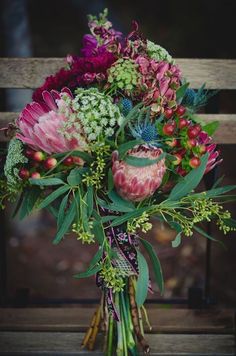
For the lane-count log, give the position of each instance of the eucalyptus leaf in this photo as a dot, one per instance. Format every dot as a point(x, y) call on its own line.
point(211, 128)
point(143, 162)
point(75, 176)
point(122, 149)
point(61, 212)
point(96, 258)
point(125, 217)
point(110, 180)
point(30, 197)
point(89, 200)
point(53, 196)
point(190, 181)
point(181, 91)
point(142, 281)
point(156, 265)
point(209, 237)
point(46, 181)
point(68, 220)
point(90, 272)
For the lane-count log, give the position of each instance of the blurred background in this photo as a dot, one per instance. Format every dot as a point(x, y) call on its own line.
point(37, 271)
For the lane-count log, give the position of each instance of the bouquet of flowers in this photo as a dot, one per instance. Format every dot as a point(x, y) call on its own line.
point(109, 142)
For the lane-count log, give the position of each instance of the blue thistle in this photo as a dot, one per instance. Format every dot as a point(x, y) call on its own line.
point(145, 131)
point(188, 99)
point(195, 99)
point(126, 105)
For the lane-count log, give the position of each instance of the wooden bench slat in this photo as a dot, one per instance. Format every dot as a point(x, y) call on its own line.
point(57, 343)
point(30, 72)
point(78, 319)
point(226, 133)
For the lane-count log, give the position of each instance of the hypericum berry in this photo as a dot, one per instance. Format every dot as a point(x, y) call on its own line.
point(172, 142)
point(50, 163)
point(29, 152)
point(194, 162)
point(180, 110)
point(35, 175)
point(168, 113)
point(38, 156)
point(191, 143)
point(182, 172)
point(24, 173)
point(182, 123)
point(169, 128)
point(194, 131)
point(178, 159)
point(68, 161)
point(78, 160)
point(202, 149)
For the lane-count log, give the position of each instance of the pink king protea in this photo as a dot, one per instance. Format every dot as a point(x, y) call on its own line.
point(138, 183)
point(40, 123)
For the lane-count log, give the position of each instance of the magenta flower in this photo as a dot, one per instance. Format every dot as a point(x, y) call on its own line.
point(138, 183)
point(205, 139)
point(83, 71)
point(39, 125)
point(160, 80)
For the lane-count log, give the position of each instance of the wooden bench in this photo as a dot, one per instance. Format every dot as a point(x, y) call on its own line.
point(58, 331)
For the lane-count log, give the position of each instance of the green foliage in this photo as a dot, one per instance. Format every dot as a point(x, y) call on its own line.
point(143, 162)
point(142, 281)
point(30, 197)
point(67, 221)
point(53, 196)
point(211, 128)
point(155, 263)
point(46, 182)
point(190, 181)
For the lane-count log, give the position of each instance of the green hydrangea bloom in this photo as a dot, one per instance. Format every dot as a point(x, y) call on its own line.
point(124, 75)
point(94, 112)
point(158, 53)
point(15, 159)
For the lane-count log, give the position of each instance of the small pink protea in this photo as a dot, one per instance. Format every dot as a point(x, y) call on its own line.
point(39, 124)
point(138, 183)
point(205, 139)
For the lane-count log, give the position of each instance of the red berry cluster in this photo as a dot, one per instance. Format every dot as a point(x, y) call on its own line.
point(181, 137)
point(39, 163)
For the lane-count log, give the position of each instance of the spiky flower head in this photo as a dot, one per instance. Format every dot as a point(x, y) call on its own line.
point(124, 75)
point(96, 113)
point(15, 159)
point(145, 131)
point(125, 105)
point(158, 53)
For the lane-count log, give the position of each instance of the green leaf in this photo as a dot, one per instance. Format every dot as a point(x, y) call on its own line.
point(30, 198)
point(96, 258)
point(143, 162)
point(181, 91)
point(211, 128)
point(61, 212)
point(230, 222)
point(218, 182)
point(118, 200)
point(114, 207)
point(122, 149)
point(46, 181)
point(125, 217)
point(177, 241)
point(53, 196)
point(85, 156)
point(190, 181)
point(110, 180)
point(156, 264)
point(203, 233)
point(69, 218)
point(219, 191)
point(90, 272)
point(75, 176)
point(142, 281)
point(89, 200)
point(53, 211)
